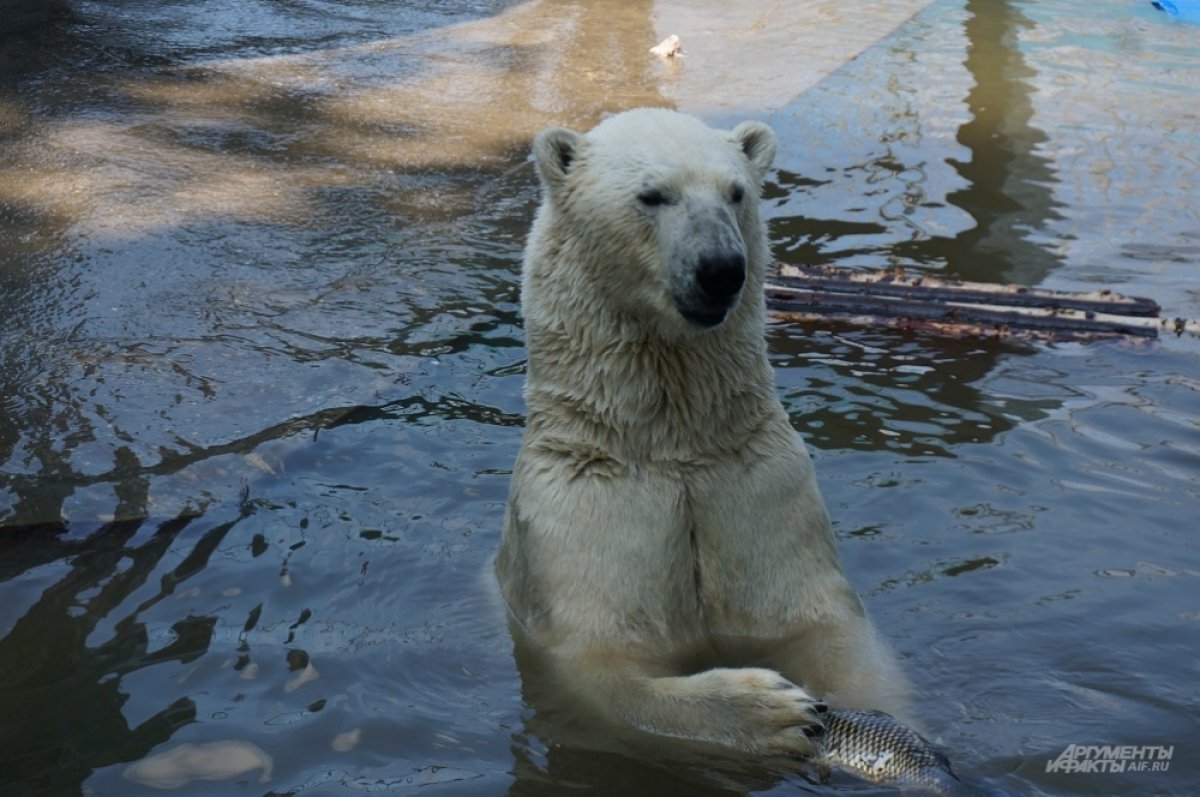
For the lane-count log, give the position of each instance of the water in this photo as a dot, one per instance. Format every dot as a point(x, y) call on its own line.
point(261, 362)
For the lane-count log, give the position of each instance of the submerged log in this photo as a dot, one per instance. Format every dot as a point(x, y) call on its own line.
point(949, 307)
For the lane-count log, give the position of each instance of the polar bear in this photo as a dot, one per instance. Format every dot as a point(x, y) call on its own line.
point(665, 547)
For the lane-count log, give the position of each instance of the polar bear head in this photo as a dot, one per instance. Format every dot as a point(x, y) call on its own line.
point(654, 213)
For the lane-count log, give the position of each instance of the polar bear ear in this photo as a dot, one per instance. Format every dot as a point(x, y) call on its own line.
point(758, 142)
point(554, 151)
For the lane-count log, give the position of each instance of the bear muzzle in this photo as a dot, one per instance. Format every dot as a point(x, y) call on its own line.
point(719, 277)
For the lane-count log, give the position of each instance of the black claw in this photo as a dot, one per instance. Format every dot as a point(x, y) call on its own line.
point(820, 708)
point(813, 731)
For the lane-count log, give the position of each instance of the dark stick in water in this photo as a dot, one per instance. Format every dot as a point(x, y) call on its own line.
point(814, 294)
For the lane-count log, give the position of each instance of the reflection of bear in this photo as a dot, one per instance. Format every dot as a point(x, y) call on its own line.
point(666, 550)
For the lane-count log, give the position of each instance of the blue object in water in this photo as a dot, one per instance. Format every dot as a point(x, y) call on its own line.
point(1184, 9)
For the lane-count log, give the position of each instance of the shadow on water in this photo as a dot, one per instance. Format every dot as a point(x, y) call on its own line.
point(230, 179)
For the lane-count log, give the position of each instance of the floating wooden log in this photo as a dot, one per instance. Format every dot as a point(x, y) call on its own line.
point(919, 301)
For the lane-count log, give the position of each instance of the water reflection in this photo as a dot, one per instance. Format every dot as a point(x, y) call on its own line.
point(53, 670)
point(981, 219)
point(1003, 205)
point(831, 379)
point(1009, 178)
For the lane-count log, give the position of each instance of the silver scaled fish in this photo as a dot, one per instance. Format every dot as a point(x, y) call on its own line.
point(875, 746)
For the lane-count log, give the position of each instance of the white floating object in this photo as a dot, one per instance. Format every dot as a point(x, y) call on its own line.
point(668, 47)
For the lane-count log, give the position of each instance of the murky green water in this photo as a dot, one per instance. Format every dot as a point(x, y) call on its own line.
point(261, 362)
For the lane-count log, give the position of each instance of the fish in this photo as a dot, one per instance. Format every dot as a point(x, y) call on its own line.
point(877, 747)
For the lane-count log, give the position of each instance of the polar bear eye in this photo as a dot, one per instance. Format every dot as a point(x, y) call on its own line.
point(736, 194)
point(652, 198)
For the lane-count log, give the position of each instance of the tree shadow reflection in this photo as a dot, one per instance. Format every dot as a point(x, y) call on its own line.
point(1009, 191)
point(927, 401)
point(65, 689)
point(1007, 195)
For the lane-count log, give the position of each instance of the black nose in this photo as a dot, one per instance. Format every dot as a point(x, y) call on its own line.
point(721, 274)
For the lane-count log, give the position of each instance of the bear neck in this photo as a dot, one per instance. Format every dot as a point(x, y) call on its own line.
point(614, 385)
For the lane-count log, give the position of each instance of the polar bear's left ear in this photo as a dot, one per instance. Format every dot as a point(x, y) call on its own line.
point(758, 142)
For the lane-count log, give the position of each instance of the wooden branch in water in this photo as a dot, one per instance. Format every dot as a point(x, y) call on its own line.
point(893, 298)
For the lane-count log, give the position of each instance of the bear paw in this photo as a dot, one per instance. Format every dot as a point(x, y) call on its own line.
point(765, 713)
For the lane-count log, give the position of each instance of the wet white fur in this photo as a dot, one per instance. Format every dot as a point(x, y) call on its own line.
point(666, 548)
